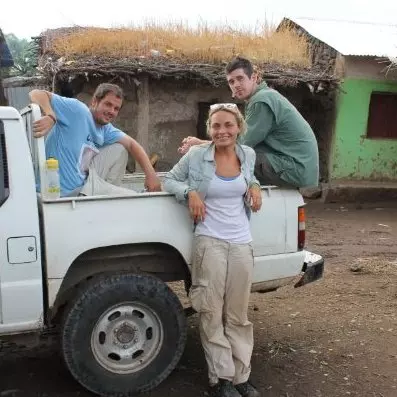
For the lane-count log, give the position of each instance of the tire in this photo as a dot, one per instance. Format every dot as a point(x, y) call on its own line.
point(123, 334)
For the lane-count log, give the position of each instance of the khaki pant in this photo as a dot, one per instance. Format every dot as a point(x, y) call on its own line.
point(106, 172)
point(221, 286)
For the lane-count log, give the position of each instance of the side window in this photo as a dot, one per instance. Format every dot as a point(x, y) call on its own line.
point(382, 117)
point(4, 182)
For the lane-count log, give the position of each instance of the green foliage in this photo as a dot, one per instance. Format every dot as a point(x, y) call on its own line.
point(24, 53)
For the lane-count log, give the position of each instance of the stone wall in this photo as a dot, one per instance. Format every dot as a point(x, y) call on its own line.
point(174, 111)
point(323, 56)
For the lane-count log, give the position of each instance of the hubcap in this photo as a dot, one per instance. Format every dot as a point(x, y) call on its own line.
point(127, 337)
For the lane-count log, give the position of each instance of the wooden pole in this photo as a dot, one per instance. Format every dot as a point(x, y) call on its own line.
point(143, 115)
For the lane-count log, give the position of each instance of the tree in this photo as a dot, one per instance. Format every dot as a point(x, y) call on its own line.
point(24, 53)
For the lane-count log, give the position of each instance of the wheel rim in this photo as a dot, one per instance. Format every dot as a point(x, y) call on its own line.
point(127, 338)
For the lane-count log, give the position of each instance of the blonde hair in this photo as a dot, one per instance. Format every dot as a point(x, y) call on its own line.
point(234, 110)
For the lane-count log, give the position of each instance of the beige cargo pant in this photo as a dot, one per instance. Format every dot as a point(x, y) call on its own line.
point(221, 286)
point(106, 172)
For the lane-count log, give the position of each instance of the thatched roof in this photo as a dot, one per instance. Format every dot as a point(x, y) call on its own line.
point(71, 52)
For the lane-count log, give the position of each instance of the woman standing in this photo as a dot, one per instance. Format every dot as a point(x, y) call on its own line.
point(217, 180)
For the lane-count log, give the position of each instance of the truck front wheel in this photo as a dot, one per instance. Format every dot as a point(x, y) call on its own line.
point(123, 334)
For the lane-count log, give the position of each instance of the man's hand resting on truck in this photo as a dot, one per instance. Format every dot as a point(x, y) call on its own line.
point(153, 183)
point(43, 126)
point(188, 142)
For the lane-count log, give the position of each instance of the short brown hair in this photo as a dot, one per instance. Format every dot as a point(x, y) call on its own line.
point(106, 88)
point(240, 63)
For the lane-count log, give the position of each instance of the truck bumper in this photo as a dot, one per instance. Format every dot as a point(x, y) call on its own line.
point(313, 269)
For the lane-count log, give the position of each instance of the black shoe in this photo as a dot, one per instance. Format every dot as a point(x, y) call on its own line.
point(247, 390)
point(224, 388)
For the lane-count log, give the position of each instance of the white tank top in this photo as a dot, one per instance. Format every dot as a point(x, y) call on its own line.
point(225, 216)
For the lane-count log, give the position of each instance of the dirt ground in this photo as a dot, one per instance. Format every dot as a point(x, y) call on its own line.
point(336, 337)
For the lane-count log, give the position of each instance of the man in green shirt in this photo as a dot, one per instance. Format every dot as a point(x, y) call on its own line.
point(285, 145)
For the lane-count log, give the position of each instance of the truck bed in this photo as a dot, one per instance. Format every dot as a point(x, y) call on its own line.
point(74, 226)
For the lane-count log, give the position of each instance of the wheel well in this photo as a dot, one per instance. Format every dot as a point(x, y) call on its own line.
point(160, 260)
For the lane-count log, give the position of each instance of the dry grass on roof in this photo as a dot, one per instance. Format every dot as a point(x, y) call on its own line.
point(204, 44)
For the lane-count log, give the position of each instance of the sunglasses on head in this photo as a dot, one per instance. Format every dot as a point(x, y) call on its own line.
point(217, 106)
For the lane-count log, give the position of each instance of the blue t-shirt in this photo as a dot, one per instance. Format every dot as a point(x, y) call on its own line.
point(75, 139)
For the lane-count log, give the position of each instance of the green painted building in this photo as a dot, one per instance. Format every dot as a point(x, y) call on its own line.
point(363, 143)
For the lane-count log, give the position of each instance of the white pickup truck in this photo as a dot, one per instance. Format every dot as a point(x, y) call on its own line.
point(98, 267)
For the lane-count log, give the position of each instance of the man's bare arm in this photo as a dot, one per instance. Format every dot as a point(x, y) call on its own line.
point(152, 181)
point(43, 99)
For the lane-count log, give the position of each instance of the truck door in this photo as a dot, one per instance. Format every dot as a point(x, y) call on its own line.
point(21, 280)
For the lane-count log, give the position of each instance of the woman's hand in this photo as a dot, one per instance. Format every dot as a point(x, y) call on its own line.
point(153, 183)
point(196, 206)
point(255, 198)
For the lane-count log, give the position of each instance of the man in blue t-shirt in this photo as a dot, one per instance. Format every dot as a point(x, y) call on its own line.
point(92, 153)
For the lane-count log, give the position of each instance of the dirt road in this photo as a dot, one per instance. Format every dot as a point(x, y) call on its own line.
point(336, 337)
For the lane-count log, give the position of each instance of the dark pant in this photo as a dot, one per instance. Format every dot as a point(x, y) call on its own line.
point(266, 174)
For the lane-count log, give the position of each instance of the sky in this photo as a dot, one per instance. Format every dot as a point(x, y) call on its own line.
point(27, 18)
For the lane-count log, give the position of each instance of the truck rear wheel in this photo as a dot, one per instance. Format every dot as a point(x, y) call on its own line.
point(123, 334)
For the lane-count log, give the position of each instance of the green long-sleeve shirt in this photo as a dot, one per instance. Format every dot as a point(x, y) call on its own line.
point(277, 129)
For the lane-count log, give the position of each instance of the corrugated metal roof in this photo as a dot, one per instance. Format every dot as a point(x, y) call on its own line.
point(353, 38)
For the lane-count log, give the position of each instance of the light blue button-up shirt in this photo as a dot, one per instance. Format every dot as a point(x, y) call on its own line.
point(197, 167)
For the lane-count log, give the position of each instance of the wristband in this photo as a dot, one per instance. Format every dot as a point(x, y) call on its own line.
point(186, 193)
point(52, 117)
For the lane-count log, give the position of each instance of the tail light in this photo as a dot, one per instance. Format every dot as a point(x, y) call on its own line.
point(301, 228)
